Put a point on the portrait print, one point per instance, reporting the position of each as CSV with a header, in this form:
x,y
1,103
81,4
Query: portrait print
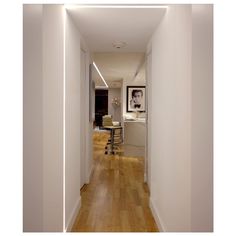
x,y
135,98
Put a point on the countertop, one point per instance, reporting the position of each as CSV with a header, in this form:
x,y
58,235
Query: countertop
x,y
143,120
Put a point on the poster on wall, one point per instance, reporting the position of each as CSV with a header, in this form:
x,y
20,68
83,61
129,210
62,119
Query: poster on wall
x,y
135,99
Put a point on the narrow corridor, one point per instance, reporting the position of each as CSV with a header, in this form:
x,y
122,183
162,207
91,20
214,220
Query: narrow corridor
x,y
116,200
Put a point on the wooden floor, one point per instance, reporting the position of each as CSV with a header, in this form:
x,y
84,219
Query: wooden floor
x,y
116,200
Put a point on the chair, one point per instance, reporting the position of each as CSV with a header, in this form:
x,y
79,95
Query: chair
x,y
107,121
116,135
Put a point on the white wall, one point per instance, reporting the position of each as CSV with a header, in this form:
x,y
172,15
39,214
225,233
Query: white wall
x,y
82,117
78,128
180,115
87,129
53,21
202,118
33,119
147,163
115,112
89,123
73,109
43,118
73,137
170,116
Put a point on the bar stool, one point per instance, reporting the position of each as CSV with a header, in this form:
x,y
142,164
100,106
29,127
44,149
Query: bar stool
x,y
116,139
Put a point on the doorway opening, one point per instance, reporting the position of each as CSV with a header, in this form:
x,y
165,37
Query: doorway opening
x,y
117,180
101,105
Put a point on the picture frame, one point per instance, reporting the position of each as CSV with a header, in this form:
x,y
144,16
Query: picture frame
x,y
135,98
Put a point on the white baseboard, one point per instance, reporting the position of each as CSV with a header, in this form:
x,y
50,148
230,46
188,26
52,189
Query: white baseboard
x,y
90,174
73,215
145,178
156,216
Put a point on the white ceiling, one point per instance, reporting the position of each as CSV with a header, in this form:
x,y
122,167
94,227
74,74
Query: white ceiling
x,y
118,66
100,27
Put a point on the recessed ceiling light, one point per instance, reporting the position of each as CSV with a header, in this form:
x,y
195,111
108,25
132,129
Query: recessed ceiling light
x,y
119,44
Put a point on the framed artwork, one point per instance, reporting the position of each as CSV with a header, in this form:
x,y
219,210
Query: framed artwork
x,y
135,98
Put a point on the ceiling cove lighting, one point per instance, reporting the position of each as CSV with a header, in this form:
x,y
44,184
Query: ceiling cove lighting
x,y
68,6
100,74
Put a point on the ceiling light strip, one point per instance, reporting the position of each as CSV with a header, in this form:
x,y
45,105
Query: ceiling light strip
x,y
100,74
113,6
100,87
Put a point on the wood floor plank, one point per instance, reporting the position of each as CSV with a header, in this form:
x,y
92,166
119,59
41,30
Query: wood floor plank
x,y
116,200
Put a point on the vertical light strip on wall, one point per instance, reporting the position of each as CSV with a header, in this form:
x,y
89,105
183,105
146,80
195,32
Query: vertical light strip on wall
x,y
64,115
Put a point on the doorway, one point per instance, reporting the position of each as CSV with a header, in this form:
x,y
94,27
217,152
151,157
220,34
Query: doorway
x,y
117,181
101,105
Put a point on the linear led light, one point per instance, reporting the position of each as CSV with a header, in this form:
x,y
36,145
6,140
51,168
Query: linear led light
x,y
64,120
100,87
113,6
100,74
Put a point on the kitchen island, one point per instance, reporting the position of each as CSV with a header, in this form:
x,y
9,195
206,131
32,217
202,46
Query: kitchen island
x,y
134,137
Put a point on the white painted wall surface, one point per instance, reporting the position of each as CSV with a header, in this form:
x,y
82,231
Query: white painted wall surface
x,y
170,117
78,162
83,117
202,118
114,111
43,114
87,150
89,123
148,163
53,57
43,119
73,125
33,119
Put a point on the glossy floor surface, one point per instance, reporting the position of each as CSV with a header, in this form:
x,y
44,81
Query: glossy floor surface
x,y
116,200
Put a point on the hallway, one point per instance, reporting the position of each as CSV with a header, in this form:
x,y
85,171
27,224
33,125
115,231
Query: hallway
x,y
159,57
116,200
